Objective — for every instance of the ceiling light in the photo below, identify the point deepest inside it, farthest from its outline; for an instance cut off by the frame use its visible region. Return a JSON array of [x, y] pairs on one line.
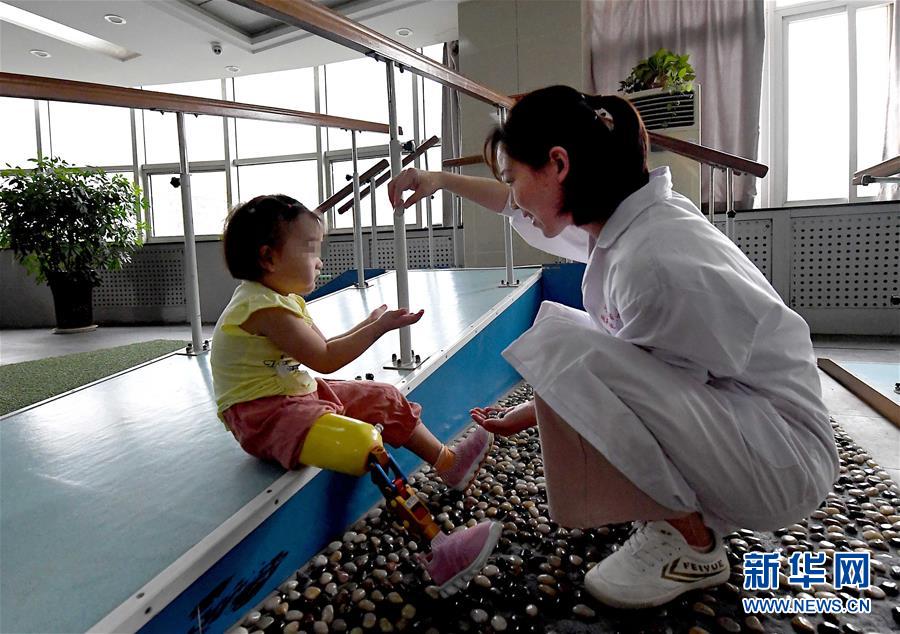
[[112, 18], [39, 53], [404, 31], [232, 69], [42, 25]]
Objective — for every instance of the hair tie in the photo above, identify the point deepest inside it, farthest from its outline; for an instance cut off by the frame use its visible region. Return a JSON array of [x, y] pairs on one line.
[[586, 102]]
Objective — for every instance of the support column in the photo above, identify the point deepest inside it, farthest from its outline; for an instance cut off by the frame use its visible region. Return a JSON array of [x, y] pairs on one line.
[[507, 234], [373, 251], [729, 204], [405, 360], [357, 217], [191, 279]]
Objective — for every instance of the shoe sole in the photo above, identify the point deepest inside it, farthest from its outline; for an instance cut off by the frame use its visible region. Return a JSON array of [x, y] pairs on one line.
[[461, 580], [467, 479], [615, 602]]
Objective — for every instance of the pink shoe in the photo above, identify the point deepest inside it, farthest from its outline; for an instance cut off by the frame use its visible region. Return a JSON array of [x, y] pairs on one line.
[[456, 558], [470, 454]]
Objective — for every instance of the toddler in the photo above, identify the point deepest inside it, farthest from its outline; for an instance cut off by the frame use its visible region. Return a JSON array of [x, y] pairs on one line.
[[266, 339]]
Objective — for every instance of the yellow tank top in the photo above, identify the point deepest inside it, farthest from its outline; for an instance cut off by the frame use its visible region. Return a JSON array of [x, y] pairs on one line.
[[246, 366]]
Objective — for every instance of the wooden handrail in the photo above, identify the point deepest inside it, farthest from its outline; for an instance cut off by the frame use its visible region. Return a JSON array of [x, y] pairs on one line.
[[474, 159], [705, 155], [889, 167], [322, 21], [412, 156], [346, 191], [708, 156], [33, 87]]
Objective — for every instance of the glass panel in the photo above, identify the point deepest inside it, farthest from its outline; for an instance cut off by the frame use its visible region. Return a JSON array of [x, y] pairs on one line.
[[873, 70], [292, 89], [84, 134], [298, 179], [205, 138], [358, 89], [818, 109], [383, 211], [17, 131], [207, 200]]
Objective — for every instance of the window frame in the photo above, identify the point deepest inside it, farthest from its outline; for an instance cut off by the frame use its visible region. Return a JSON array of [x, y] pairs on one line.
[[780, 20], [143, 170]]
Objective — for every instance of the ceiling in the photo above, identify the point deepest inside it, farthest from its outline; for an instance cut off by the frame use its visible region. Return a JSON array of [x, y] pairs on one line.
[[173, 38]]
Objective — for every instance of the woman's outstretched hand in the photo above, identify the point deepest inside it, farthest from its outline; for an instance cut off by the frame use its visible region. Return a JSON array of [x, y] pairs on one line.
[[421, 183], [510, 421], [392, 319]]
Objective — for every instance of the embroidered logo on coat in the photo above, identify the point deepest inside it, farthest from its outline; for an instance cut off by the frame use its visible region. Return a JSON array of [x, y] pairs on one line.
[[689, 571], [611, 319]]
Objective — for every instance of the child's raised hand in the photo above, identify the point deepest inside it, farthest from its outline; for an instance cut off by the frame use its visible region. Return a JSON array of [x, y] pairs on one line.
[[393, 319], [505, 421], [375, 314]]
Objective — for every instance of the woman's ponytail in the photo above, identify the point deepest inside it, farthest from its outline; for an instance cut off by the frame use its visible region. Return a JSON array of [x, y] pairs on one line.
[[627, 129]]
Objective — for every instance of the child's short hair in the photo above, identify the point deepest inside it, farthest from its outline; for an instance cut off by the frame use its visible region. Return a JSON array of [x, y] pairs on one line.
[[254, 224]]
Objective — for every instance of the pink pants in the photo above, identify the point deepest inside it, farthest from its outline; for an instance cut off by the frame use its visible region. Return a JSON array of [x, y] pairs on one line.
[[274, 428]]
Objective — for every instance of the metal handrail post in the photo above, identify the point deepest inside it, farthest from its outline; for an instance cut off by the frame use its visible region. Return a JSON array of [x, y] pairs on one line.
[[191, 278], [729, 204], [711, 210], [357, 216], [400, 263], [507, 232], [457, 221], [429, 221], [373, 250]]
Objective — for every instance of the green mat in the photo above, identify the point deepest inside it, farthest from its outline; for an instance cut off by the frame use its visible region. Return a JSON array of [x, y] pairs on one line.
[[22, 384]]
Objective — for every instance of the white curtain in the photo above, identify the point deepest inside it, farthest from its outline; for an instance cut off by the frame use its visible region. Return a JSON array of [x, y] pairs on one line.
[[890, 191], [726, 43]]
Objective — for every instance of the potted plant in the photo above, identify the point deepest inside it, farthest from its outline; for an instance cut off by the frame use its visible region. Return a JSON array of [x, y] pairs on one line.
[[65, 224], [661, 87], [664, 70]]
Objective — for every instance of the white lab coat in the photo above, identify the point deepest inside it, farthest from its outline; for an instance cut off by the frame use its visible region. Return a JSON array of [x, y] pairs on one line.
[[686, 371]]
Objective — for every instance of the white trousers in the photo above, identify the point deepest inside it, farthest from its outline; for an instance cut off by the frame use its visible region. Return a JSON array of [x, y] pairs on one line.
[[690, 446]]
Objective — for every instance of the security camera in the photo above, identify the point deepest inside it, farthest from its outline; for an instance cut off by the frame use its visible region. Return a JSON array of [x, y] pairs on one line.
[[216, 48]]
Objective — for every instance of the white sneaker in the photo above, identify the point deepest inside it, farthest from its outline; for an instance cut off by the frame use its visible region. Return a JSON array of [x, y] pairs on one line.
[[653, 567]]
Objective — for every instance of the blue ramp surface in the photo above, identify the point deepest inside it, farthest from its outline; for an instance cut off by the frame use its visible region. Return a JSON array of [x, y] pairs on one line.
[[107, 491]]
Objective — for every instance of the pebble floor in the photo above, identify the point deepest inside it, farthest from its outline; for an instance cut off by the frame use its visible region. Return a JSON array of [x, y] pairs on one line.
[[367, 580]]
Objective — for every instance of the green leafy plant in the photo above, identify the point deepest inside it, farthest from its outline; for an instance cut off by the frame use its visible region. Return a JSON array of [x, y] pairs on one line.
[[60, 219], [664, 69]]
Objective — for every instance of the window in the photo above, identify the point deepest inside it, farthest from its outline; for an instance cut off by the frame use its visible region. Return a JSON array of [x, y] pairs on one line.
[[292, 89], [17, 131], [269, 157], [85, 134], [297, 179], [207, 199], [829, 102], [205, 138], [358, 89]]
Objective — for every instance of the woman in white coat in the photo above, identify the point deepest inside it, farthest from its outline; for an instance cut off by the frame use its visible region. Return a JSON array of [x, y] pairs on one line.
[[685, 396]]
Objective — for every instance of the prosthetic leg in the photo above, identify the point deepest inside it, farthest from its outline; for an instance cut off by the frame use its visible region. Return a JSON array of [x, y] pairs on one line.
[[343, 444]]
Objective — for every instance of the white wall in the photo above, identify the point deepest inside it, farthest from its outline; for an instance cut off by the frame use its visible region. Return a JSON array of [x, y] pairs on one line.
[[510, 46]]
